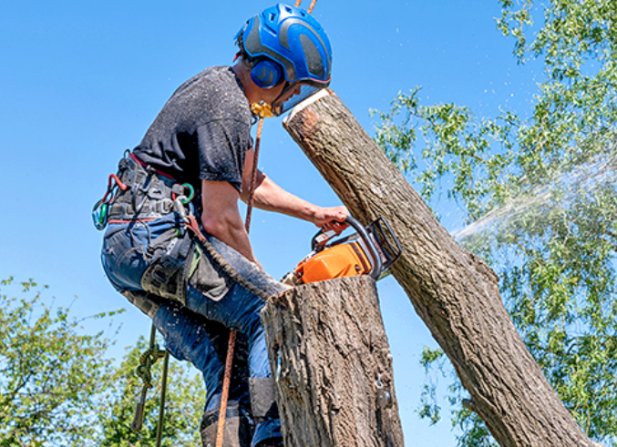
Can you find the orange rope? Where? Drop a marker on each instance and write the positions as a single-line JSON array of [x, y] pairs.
[[231, 344], [310, 9], [253, 184], [220, 428]]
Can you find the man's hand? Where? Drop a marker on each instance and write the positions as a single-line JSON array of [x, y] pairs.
[[331, 218]]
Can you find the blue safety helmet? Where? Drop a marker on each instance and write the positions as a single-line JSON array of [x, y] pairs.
[[285, 43]]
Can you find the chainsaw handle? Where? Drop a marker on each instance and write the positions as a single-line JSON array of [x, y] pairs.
[[320, 240], [377, 265], [322, 237]]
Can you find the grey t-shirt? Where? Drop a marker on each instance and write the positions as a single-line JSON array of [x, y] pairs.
[[202, 132]]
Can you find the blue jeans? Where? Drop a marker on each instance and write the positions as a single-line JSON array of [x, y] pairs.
[[192, 330]]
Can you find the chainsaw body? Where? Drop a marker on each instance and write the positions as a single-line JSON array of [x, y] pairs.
[[369, 251]]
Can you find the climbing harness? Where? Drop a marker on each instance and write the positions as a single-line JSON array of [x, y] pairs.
[[181, 196], [146, 209], [152, 195], [180, 202]]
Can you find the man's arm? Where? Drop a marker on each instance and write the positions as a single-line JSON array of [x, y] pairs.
[[271, 197], [221, 216]]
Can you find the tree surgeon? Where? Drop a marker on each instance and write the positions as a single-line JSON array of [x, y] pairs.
[[196, 159]]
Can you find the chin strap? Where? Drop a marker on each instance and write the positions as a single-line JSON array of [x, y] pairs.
[[262, 109]]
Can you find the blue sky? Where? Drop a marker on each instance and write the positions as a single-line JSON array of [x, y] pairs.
[[80, 81]]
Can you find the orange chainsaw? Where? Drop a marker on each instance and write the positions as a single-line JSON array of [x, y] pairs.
[[370, 251]]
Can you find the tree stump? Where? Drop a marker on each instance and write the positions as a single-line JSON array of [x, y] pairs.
[[332, 364], [454, 292]]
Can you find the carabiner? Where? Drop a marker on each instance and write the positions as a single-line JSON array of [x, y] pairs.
[[99, 215], [186, 199]]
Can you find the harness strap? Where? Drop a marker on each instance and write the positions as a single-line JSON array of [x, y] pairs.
[[146, 166]]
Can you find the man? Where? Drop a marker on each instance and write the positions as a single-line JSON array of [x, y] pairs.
[[200, 142]]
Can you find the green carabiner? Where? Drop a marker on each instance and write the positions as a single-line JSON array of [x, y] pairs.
[[187, 199]]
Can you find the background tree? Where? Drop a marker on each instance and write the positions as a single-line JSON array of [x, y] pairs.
[[539, 192], [51, 374], [58, 386]]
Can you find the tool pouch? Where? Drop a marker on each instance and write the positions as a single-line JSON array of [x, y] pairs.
[[207, 276], [167, 270]]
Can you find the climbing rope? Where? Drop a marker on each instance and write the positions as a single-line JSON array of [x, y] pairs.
[[144, 371], [253, 184], [159, 427], [231, 344], [220, 430], [311, 6]]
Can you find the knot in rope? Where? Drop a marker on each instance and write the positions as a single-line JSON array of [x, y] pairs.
[[147, 359]]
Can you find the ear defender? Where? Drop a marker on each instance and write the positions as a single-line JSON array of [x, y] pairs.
[[266, 73]]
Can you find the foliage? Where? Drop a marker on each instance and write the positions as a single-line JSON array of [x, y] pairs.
[[57, 387], [183, 408], [541, 193], [50, 374]]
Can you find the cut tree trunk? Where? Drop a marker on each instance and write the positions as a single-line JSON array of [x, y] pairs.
[[454, 292], [332, 365]]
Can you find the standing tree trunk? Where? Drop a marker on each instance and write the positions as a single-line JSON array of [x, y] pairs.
[[454, 292], [332, 364]]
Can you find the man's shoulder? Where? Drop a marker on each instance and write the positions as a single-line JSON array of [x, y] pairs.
[[216, 92], [217, 75]]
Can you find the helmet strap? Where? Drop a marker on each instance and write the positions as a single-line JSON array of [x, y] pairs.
[[262, 109]]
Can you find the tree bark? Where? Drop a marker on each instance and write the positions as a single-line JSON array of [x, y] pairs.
[[332, 365], [454, 292]]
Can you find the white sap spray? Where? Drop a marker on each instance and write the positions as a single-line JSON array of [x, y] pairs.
[[599, 171]]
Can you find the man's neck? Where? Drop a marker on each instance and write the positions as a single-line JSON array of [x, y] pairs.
[[242, 72]]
